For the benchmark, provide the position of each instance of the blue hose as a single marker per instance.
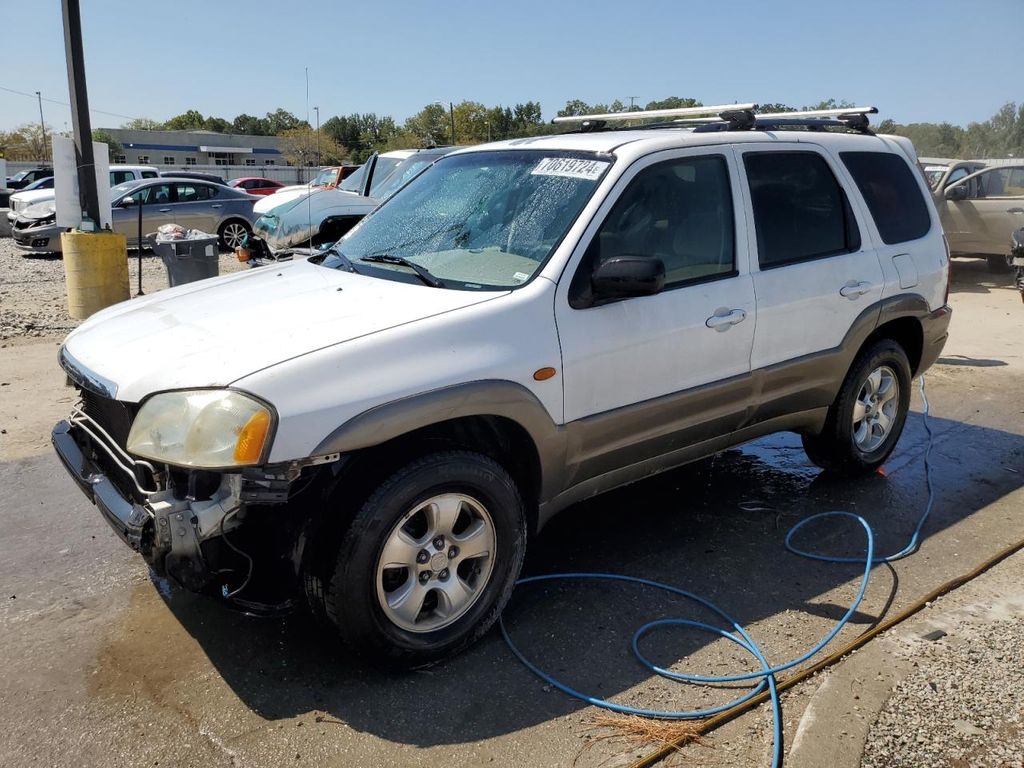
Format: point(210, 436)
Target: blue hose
point(765, 676)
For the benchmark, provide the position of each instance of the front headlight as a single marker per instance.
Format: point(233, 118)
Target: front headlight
point(208, 429)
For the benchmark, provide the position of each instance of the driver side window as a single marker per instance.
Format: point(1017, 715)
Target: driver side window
point(679, 211)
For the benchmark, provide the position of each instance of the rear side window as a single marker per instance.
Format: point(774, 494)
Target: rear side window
point(800, 211)
point(892, 194)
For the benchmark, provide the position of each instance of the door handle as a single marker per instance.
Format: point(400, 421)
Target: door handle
point(217, 205)
point(1015, 210)
point(164, 210)
point(853, 290)
point(724, 319)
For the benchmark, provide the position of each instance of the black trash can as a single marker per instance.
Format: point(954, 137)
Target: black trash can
point(188, 260)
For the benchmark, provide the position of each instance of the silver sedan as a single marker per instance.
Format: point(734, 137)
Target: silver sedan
point(191, 203)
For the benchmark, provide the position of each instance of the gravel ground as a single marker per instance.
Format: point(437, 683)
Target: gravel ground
point(961, 707)
point(32, 298)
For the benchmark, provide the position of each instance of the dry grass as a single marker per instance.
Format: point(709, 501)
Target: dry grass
point(643, 732)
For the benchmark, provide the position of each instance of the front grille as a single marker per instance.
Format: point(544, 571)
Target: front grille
point(113, 415)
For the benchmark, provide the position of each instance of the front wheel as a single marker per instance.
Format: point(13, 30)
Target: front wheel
point(429, 561)
point(867, 417)
point(233, 234)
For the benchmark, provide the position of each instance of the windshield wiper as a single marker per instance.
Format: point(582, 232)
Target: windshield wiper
point(346, 262)
point(422, 272)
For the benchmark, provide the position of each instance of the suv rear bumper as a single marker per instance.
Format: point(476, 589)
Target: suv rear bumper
point(935, 329)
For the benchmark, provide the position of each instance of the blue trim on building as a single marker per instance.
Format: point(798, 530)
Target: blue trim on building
point(186, 148)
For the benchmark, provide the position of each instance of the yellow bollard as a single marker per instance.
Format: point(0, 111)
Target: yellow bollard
point(95, 271)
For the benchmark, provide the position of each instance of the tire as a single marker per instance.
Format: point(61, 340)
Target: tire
point(231, 233)
point(464, 593)
point(998, 264)
point(850, 447)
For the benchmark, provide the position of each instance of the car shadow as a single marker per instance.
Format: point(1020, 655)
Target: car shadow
point(715, 528)
point(970, 275)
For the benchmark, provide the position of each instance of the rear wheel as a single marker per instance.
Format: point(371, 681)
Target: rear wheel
point(233, 233)
point(867, 418)
point(429, 560)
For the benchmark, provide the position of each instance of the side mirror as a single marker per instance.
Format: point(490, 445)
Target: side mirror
point(621, 277)
point(956, 193)
point(127, 202)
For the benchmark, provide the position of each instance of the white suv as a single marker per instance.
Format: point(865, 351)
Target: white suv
point(525, 325)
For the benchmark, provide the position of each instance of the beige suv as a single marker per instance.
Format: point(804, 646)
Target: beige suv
point(980, 212)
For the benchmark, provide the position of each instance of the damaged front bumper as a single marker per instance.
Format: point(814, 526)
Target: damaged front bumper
point(128, 519)
point(132, 495)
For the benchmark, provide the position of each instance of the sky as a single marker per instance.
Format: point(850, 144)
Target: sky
point(916, 60)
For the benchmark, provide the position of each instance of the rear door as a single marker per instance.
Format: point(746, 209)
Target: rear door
point(813, 273)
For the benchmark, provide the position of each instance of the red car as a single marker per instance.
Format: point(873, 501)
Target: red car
point(256, 185)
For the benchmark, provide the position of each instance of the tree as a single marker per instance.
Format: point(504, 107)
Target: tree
point(281, 120)
point(299, 147)
point(575, 108)
point(187, 121)
point(431, 126)
point(143, 124)
point(673, 102)
point(25, 142)
point(113, 145)
point(250, 125)
point(217, 124)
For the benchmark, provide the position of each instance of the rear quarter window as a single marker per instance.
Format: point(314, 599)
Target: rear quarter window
point(892, 194)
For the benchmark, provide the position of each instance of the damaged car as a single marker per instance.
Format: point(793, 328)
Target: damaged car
point(319, 216)
point(522, 326)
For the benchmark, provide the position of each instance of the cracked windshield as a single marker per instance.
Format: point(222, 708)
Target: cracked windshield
point(481, 220)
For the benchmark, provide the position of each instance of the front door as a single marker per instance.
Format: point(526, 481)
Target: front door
point(994, 208)
point(645, 375)
point(155, 200)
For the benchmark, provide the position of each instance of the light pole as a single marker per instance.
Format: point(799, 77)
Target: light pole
point(80, 111)
point(317, 110)
point(42, 125)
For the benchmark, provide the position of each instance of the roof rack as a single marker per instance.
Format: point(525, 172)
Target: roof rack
point(733, 117)
point(649, 113)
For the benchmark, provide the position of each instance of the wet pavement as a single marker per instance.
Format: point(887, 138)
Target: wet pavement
point(102, 666)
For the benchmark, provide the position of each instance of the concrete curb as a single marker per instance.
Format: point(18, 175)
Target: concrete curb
point(835, 725)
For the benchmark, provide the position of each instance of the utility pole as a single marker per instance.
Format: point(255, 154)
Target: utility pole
point(80, 110)
point(451, 112)
point(42, 125)
point(317, 109)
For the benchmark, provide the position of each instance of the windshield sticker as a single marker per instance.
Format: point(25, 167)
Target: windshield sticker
point(520, 277)
point(570, 167)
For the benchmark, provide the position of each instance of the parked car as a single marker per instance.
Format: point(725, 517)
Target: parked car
point(327, 178)
point(522, 326)
point(197, 175)
point(941, 171)
point(981, 211)
point(318, 216)
point(193, 204)
point(256, 185)
point(44, 183)
point(22, 179)
point(119, 174)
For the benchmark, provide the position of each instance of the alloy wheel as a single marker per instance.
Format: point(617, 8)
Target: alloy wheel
point(435, 562)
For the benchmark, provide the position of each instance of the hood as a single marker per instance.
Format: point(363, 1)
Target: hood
point(33, 196)
point(214, 332)
point(296, 220)
point(38, 211)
